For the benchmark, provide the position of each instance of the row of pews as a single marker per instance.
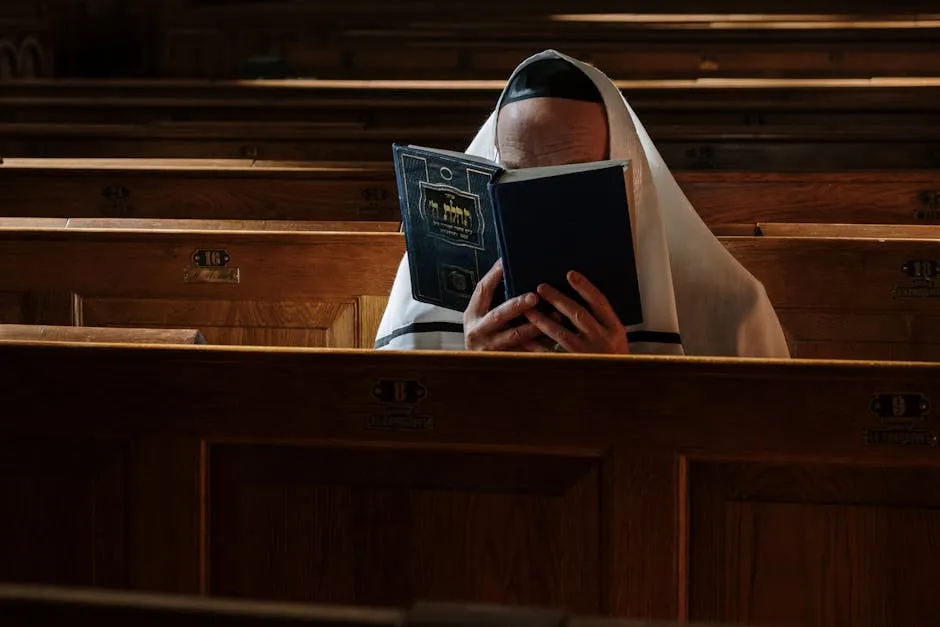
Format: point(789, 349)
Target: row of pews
point(698, 125)
point(842, 291)
point(671, 39)
point(192, 276)
point(213, 39)
point(365, 191)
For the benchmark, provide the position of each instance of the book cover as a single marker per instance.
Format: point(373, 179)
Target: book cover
point(447, 218)
point(556, 219)
point(460, 213)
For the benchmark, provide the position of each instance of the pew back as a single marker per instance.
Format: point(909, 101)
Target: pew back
point(837, 297)
point(736, 487)
point(259, 190)
point(698, 125)
point(204, 189)
point(849, 297)
point(237, 286)
point(745, 148)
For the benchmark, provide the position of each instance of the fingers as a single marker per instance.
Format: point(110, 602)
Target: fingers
point(508, 311)
point(483, 293)
point(565, 338)
point(604, 313)
point(534, 346)
point(583, 320)
point(509, 339)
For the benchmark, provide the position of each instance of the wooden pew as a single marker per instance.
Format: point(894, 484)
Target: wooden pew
point(261, 190)
point(241, 283)
point(490, 48)
point(433, 41)
point(721, 103)
point(868, 297)
point(728, 125)
point(837, 297)
point(756, 149)
point(771, 492)
point(204, 189)
point(49, 333)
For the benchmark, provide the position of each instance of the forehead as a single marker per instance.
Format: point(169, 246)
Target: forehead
point(551, 110)
point(551, 131)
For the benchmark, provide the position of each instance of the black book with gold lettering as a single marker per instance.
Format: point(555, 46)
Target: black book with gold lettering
point(461, 213)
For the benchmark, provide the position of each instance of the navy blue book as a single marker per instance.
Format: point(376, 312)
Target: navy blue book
point(460, 213)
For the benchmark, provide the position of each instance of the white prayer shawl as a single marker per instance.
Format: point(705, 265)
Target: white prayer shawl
point(697, 299)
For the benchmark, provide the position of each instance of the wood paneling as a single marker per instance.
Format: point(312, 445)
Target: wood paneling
point(313, 523)
point(778, 544)
point(845, 297)
point(740, 490)
point(325, 323)
point(278, 289)
point(34, 305)
point(205, 190)
point(790, 149)
point(424, 40)
point(744, 125)
point(836, 297)
point(364, 192)
point(64, 509)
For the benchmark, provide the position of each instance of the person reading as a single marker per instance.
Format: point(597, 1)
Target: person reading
point(696, 298)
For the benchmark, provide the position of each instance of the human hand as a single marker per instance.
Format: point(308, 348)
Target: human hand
point(486, 330)
point(599, 330)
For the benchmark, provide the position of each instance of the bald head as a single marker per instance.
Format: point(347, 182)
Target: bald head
point(546, 131)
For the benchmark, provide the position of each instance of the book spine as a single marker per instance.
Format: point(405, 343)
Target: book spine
point(500, 242)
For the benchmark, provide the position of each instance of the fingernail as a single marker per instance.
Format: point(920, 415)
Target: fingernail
point(574, 277)
point(530, 299)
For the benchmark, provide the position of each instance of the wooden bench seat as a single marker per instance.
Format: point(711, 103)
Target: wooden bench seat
point(170, 224)
point(822, 229)
point(60, 606)
point(50, 333)
point(740, 490)
point(269, 190)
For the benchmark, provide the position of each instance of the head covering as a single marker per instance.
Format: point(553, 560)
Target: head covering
point(697, 299)
point(550, 77)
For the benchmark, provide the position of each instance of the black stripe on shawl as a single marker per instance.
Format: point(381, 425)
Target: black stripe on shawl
point(654, 337)
point(420, 327)
point(651, 337)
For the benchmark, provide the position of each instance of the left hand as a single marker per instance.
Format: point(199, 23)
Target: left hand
point(599, 330)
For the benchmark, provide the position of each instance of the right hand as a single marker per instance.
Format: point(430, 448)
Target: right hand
point(486, 330)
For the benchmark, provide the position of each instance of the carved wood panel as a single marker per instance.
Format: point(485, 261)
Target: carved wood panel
point(386, 527)
point(38, 307)
point(64, 506)
point(813, 544)
point(326, 323)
